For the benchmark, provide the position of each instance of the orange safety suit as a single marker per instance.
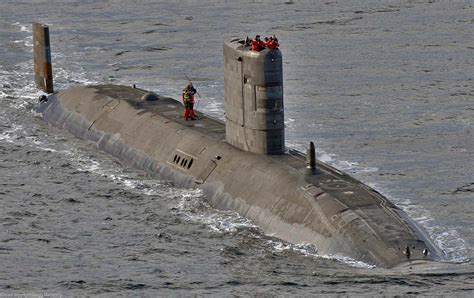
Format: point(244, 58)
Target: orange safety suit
point(272, 44)
point(188, 101)
point(257, 45)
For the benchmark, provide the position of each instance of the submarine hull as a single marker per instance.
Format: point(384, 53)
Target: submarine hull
point(328, 209)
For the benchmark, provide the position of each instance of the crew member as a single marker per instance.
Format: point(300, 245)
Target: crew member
point(257, 44)
point(270, 43)
point(188, 101)
point(273, 42)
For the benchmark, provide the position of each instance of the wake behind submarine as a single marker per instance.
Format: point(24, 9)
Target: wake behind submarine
point(240, 164)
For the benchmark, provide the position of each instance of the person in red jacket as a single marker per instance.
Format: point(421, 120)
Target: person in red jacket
point(257, 44)
point(188, 101)
point(273, 42)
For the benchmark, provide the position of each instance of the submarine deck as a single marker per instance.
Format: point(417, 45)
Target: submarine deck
point(344, 203)
point(332, 181)
point(172, 109)
point(166, 107)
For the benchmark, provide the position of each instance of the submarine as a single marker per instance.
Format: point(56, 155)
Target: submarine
point(241, 163)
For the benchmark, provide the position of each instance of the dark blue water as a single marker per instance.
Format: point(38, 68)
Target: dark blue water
point(385, 89)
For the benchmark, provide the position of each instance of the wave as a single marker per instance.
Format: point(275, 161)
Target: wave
point(311, 251)
point(23, 27)
point(193, 207)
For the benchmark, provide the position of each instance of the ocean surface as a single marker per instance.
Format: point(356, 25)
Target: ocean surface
point(384, 88)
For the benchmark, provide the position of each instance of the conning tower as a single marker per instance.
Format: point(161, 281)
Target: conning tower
point(253, 83)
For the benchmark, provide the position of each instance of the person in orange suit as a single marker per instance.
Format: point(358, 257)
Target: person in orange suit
point(188, 101)
point(273, 42)
point(257, 45)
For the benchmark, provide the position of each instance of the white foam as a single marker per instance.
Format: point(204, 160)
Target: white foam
point(344, 165)
point(34, 140)
point(12, 135)
point(193, 208)
point(24, 28)
point(89, 165)
point(137, 185)
point(141, 186)
point(3, 94)
point(48, 149)
point(27, 42)
point(66, 78)
point(19, 96)
point(311, 251)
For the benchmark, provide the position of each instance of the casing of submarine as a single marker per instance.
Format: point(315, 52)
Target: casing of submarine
point(242, 164)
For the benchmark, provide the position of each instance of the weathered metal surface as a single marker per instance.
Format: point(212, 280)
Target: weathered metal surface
point(42, 58)
point(253, 83)
point(332, 211)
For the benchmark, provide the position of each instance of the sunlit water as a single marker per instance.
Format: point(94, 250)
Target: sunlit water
point(384, 88)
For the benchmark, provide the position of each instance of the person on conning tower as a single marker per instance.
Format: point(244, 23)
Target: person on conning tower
point(188, 101)
point(273, 42)
point(257, 45)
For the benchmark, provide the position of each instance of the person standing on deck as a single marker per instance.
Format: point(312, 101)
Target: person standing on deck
point(188, 101)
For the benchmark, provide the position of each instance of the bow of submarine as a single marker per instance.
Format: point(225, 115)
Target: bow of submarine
point(330, 210)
